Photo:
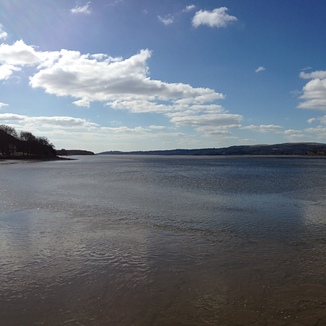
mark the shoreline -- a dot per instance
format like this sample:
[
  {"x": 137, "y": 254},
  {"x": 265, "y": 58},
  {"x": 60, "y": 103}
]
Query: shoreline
[
  {"x": 216, "y": 156},
  {"x": 15, "y": 160}
]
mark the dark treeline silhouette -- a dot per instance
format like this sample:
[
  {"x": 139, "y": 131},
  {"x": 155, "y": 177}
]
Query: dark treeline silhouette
[
  {"x": 68, "y": 152},
  {"x": 14, "y": 145}
]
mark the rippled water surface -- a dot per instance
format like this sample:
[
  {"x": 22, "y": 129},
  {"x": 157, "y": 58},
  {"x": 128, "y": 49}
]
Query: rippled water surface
[{"x": 127, "y": 240}]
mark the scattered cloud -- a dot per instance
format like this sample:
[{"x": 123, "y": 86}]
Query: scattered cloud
[
  {"x": 306, "y": 68},
  {"x": 293, "y": 132},
  {"x": 189, "y": 8},
  {"x": 153, "y": 127},
  {"x": 216, "y": 18},
  {"x": 7, "y": 70},
  {"x": 84, "y": 10},
  {"x": 314, "y": 92},
  {"x": 19, "y": 54},
  {"x": 207, "y": 119},
  {"x": 213, "y": 120},
  {"x": 264, "y": 128},
  {"x": 121, "y": 84},
  {"x": 314, "y": 133},
  {"x": 3, "y": 34},
  {"x": 294, "y": 135},
  {"x": 13, "y": 57},
  {"x": 320, "y": 74},
  {"x": 55, "y": 121},
  {"x": 82, "y": 103},
  {"x": 69, "y": 130},
  {"x": 166, "y": 20},
  {"x": 260, "y": 69},
  {"x": 215, "y": 131},
  {"x": 3, "y": 105},
  {"x": 321, "y": 120}
]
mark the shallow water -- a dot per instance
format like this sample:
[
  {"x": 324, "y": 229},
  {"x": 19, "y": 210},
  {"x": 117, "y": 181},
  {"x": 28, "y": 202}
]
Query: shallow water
[{"x": 140, "y": 240}]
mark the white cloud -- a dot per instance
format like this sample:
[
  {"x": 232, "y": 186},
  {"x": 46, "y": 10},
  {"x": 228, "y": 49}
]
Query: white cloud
[
  {"x": 189, "y": 8},
  {"x": 85, "y": 10},
  {"x": 322, "y": 120},
  {"x": 66, "y": 127},
  {"x": 62, "y": 122},
  {"x": 209, "y": 123},
  {"x": 3, "y": 34},
  {"x": 314, "y": 92},
  {"x": 215, "y": 131},
  {"x": 153, "y": 127},
  {"x": 263, "y": 128},
  {"x": 306, "y": 68},
  {"x": 8, "y": 117},
  {"x": 166, "y": 20},
  {"x": 3, "y": 105},
  {"x": 259, "y": 69},
  {"x": 216, "y": 18},
  {"x": 66, "y": 132},
  {"x": 122, "y": 84},
  {"x": 55, "y": 121},
  {"x": 209, "y": 119},
  {"x": 7, "y": 70},
  {"x": 317, "y": 133},
  {"x": 125, "y": 81},
  {"x": 82, "y": 103},
  {"x": 126, "y": 130},
  {"x": 320, "y": 74},
  {"x": 140, "y": 106},
  {"x": 293, "y": 132},
  {"x": 19, "y": 54},
  {"x": 294, "y": 135}
]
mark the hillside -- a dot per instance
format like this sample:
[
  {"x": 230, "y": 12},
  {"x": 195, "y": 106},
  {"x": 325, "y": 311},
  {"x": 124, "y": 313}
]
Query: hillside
[
  {"x": 300, "y": 149},
  {"x": 68, "y": 152}
]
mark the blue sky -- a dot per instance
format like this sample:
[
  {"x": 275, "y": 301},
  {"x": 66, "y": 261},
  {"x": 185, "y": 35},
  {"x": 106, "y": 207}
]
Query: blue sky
[{"x": 148, "y": 74}]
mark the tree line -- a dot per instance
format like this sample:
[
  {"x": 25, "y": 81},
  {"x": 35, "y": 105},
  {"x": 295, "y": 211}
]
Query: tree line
[{"x": 23, "y": 144}]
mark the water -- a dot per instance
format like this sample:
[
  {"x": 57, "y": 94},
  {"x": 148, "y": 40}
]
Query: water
[{"x": 141, "y": 240}]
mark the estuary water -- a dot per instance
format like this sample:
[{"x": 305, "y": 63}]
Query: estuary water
[{"x": 163, "y": 240}]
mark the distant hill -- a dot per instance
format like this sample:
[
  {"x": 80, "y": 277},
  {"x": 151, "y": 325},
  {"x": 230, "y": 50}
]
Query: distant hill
[
  {"x": 300, "y": 149},
  {"x": 68, "y": 152}
]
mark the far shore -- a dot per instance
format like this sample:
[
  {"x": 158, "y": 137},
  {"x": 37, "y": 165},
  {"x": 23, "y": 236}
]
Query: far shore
[
  {"x": 215, "y": 156},
  {"x": 26, "y": 159}
]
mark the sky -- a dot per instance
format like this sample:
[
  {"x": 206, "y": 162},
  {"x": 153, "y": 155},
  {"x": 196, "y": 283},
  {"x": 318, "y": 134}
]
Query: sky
[{"x": 105, "y": 75}]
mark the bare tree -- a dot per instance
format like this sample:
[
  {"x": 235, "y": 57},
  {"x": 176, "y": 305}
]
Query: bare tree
[
  {"x": 26, "y": 143},
  {"x": 9, "y": 130},
  {"x": 8, "y": 140}
]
